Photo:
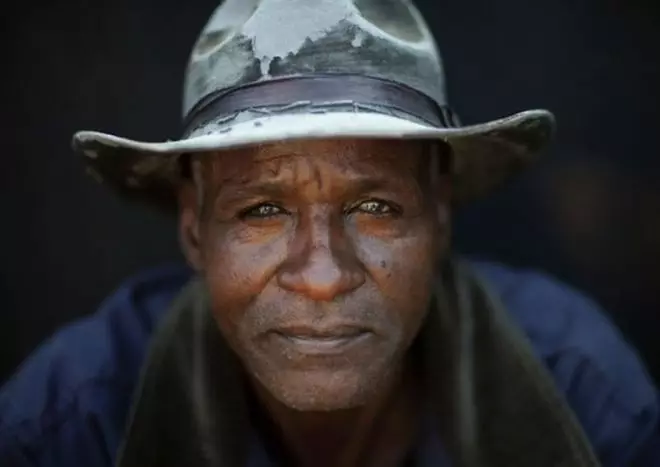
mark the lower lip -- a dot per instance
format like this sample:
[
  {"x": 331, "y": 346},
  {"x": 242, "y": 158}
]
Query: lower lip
[{"x": 322, "y": 346}]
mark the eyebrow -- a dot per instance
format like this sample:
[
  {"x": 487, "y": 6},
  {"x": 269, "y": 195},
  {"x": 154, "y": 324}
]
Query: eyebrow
[
  {"x": 269, "y": 189},
  {"x": 231, "y": 191}
]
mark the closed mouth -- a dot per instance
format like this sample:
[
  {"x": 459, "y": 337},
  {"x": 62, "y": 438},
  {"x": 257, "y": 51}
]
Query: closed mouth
[
  {"x": 322, "y": 341},
  {"x": 333, "y": 333}
]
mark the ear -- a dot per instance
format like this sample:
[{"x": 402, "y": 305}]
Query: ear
[
  {"x": 443, "y": 196},
  {"x": 189, "y": 221},
  {"x": 440, "y": 162},
  {"x": 443, "y": 209}
]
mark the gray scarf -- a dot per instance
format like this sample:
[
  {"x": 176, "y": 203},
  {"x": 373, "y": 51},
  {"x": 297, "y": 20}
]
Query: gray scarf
[{"x": 495, "y": 403}]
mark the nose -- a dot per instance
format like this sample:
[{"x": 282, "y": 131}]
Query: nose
[{"x": 321, "y": 263}]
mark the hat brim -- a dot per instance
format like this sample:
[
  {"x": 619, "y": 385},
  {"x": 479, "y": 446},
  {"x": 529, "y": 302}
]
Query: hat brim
[{"x": 484, "y": 155}]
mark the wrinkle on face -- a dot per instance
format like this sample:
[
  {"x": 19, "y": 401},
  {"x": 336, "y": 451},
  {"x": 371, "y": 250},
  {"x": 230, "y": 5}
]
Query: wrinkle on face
[
  {"x": 296, "y": 165},
  {"x": 321, "y": 259}
]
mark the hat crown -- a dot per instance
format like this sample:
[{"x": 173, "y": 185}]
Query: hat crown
[{"x": 251, "y": 41}]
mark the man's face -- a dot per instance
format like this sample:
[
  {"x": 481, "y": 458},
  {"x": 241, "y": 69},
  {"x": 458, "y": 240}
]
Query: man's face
[{"x": 319, "y": 257}]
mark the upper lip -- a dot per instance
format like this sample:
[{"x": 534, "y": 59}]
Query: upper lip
[{"x": 328, "y": 332}]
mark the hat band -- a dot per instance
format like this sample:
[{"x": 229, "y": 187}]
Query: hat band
[{"x": 279, "y": 95}]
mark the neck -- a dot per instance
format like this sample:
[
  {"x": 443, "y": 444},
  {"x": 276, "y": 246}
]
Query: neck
[{"x": 379, "y": 433}]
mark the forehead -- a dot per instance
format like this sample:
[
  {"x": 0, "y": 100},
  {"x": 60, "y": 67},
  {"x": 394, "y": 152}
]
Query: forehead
[{"x": 331, "y": 158}]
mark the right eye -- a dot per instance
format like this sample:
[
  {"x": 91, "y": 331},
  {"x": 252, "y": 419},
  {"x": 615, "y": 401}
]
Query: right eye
[{"x": 261, "y": 211}]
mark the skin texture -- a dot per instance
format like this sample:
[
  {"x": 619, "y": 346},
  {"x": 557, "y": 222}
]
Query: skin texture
[{"x": 320, "y": 258}]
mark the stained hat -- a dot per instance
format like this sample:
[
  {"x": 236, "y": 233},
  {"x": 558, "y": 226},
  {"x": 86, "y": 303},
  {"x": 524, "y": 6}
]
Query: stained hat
[{"x": 264, "y": 71}]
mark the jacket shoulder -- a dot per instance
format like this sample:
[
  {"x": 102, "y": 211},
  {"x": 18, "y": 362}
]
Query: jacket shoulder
[
  {"x": 600, "y": 374},
  {"x": 67, "y": 403}
]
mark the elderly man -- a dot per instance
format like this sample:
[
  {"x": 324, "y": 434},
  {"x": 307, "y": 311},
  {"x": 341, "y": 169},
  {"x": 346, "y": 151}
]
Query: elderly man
[{"x": 326, "y": 322}]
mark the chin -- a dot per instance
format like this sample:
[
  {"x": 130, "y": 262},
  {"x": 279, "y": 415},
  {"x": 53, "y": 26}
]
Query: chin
[{"x": 324, "y": 391}]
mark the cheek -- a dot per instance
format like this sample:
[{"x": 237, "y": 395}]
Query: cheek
[
  {"x": 403, "y": 270},
  {"x": 408, "y": 251},
  {"x": 237, "y": 271}
]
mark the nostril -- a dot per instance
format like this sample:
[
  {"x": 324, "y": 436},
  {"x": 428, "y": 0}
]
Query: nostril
[{"x": 322, "y": 278}]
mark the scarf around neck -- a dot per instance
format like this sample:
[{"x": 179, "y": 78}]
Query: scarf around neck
[{"x": 494, "y": 402}]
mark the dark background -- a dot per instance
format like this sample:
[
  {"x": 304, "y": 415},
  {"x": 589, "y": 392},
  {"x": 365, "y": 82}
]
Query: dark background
[{"x": 589, "y": 214}]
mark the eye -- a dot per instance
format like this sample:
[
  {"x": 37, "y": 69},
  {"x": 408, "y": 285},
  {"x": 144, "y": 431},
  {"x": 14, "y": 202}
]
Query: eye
[
  {"x": 261, "y": 211},
  {"x": 376, "y": 207}
]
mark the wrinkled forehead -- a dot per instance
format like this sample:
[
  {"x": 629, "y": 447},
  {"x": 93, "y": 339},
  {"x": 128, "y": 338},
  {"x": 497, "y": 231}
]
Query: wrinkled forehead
[{"x": 333, "y": 158}]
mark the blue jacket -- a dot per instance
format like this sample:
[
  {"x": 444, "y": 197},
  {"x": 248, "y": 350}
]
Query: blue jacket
[{"x": 68, "y": 403}]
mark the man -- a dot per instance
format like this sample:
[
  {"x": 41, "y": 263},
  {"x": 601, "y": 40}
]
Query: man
[{"x": 326, "y": 322}]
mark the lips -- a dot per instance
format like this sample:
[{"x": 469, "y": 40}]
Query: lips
[
  {"x": 321, "y": 341},
  {"x": 328, "y": 333}
]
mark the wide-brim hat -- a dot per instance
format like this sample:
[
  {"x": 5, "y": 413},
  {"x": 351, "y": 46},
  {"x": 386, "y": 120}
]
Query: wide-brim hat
[{"x": 264, "y": 71}]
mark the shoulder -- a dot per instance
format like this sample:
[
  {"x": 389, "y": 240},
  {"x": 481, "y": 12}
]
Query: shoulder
[
  {"x": 600, "y": 374},
  {"x": 74, "y": 391}
]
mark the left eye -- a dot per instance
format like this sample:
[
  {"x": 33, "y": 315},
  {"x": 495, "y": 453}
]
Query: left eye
[{"x": 375, "y": 207}]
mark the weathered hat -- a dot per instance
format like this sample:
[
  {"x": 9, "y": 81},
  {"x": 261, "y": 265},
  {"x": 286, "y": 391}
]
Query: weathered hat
[{"x": 273, "y": 70}]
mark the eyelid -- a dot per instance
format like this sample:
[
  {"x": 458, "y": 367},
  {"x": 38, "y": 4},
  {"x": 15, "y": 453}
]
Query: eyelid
[
  {"x": 394, "y": 207},
  {"x": 245, "y": 212}
]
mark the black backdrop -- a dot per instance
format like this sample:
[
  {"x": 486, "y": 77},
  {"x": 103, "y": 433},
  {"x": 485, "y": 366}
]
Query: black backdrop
[{"x": 590, "y": 213}]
